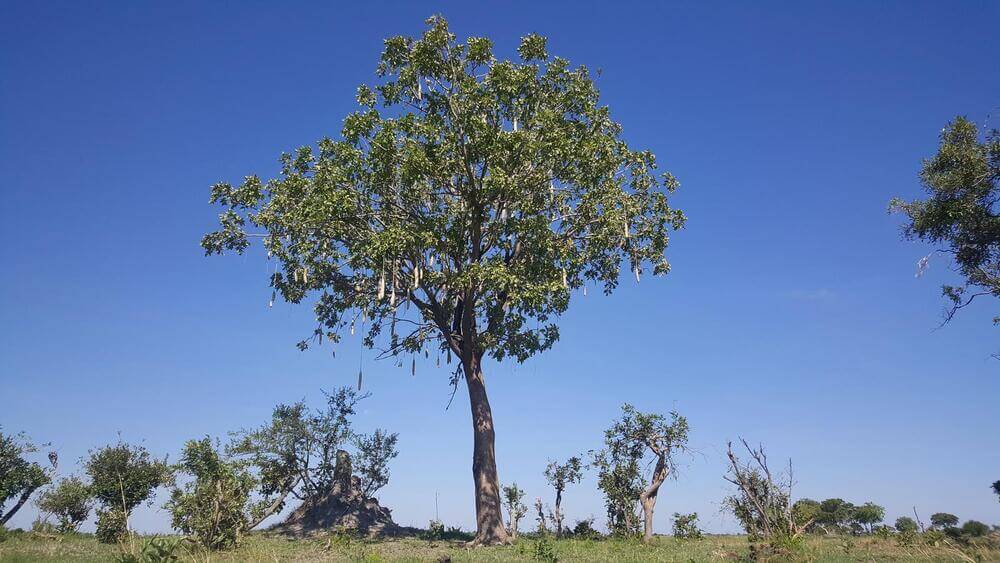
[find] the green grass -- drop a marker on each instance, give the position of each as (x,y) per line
(31,547)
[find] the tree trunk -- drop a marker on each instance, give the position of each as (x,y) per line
(558,513)
(489,520)
(648,497)
(20,502)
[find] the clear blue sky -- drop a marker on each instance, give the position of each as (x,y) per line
(792,315)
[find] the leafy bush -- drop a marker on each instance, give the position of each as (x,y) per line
(122,477)
(906,538)
(544,550)
(883,532)
(933,538)
(584,529)
(975,529)
(686,526)
(153,550)
(69,501)
(112,525)
(435,530)
(906,524)
(213,508)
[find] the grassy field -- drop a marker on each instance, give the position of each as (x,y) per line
(31,547)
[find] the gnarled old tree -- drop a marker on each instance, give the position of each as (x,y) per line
(459,208)
(627,444)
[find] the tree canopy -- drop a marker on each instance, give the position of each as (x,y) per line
(960,216)
(462,182)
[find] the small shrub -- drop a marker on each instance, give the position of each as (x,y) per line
(153,550)
(435,531)
(686,526)
(906,524)
(883,533)
(69,501)
(111,525)
(906,538)
(40,526)
(847,545)
(584,529)
(213,509)
(544,550)
(933,538)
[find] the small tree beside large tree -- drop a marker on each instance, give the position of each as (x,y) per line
(631,440)
(463,203)
(559,475)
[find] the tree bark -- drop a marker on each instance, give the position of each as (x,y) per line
(648,497)
(20,502)
(489,519)
(558,513)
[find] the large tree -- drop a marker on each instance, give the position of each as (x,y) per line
(461,205)
(960,215)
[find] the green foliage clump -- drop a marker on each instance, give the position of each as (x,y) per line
(934,537)
(544,550)
(686,526)
(513,500)
(835,515)
(906,538)
(974,529)
(867,516)
(435,531)
(122,476)
(70,501)
(906,524)
(883,532)
(214,508)
(112,525)
(960,215)
(19,478)
(584,530)
(943,520)
(153,550)
(371,462)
